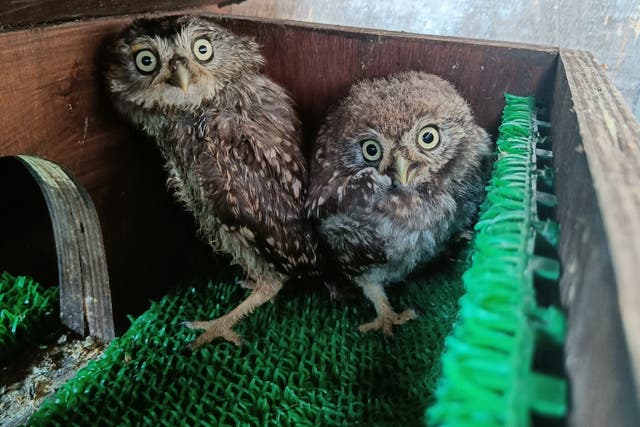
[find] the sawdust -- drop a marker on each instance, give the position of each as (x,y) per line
(36,375)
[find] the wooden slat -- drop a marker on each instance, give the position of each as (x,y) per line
(85,296)
(597,160)
(16,13)
(51,81)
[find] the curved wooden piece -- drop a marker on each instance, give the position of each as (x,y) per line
(85,297)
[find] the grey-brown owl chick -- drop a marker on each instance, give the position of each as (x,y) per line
(398,169)
(231,142)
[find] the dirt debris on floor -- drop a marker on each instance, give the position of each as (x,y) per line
(38,373)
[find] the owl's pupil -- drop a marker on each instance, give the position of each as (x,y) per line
(203,49)
(427,138)
(372,150)
(146,60)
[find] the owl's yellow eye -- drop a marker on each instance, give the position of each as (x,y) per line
(146,61)
(429,137)
(371,150)
(202,50)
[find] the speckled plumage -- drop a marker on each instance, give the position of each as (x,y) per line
(231,142)
(382,219)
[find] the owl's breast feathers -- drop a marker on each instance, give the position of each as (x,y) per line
(245,170)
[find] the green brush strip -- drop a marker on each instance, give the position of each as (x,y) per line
(487,375)
(305,365)
(27,311)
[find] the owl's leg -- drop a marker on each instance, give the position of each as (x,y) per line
(222,327)
(387,317)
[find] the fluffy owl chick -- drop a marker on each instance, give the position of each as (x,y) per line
(398,168)
(231,142)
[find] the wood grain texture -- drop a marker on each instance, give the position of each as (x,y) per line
(16,13)
(607,28)
(51,81)
(85,295)
(596,150)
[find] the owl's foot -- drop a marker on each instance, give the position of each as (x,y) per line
(213,329)
(386,320)
(265,288)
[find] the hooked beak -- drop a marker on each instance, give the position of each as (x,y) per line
(180,77)
(403,176)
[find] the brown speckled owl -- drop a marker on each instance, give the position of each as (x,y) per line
(398,169)
(231,142)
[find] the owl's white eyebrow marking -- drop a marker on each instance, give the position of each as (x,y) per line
(138,47)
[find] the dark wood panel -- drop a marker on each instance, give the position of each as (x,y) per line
(595,146)
(16,13)
(54,107)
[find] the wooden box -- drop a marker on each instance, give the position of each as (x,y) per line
(53,106)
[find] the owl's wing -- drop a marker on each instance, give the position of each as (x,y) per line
(353,242)
(332,193)
(254,178)
(339,203)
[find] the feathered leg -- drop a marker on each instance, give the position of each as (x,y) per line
(387,317)
(222,327)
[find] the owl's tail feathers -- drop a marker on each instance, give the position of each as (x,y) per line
(329,273)
(324,273)
(222,327)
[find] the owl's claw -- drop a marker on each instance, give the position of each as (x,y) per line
(386,320)
(213,329)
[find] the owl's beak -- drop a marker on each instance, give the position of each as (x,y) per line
(402,166)
(180,77)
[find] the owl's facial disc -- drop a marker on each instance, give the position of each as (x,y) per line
(427,139)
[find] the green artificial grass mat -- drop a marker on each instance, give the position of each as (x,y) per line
(27,312)
(305,363)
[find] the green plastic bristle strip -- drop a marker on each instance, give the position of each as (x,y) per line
(27,311)
(487,366)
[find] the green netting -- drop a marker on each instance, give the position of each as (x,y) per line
(27,311)
(488,365)
(305,365)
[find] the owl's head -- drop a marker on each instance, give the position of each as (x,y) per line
(413,128)
(176,62)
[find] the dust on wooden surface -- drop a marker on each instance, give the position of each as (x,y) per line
(35,376)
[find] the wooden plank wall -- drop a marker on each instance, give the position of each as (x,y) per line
(57,109)
(597,162)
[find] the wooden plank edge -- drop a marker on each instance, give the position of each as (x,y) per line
(610,137)
(35,14)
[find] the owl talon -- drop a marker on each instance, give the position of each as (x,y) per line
(386,320)
(213,329)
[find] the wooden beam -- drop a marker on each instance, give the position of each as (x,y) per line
(20,13)
(597,160)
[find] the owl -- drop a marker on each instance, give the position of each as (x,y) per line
(231,143)
(398,169)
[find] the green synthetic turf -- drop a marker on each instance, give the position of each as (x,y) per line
(27,311)
(306,364)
